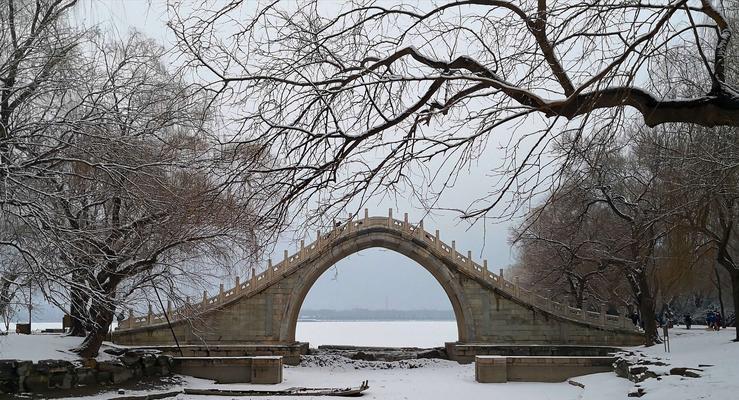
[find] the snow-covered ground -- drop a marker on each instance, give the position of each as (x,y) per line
(42,347)
(440,379)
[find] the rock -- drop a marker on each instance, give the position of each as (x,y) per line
(85,376)
(122,375)
(637,392)
(8,377)
(115,351)
(103,377)
(165,361)
(439,353)
(36,382)
(360,355)
(683,371)
(54,366)
(116,370)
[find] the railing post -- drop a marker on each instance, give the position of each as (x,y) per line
(438,240)
(603,320)
(169,307)
(205,298)
(485,268)
(623,317)
(302,248)
(366,216)
(500,273)
(221,293)
(318,238)
(271,268)
(420,231)
(454,250)
(238,284)
(389,217)
(406,226)
(149,316)
(516,287)
(130,317)
(253,277)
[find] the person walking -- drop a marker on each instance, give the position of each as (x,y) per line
(718,321)
(688,320)
(710,317)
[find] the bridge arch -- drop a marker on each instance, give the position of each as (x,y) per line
(391,240)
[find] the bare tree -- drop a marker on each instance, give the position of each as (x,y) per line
(358,99)
(112,166)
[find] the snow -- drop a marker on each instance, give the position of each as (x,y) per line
(377,333)
(41,346)
(441,379)
(693,348)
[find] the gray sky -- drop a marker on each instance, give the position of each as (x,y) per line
(374,278)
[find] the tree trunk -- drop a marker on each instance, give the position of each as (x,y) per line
(103,318)
(646,309)
(78,298)
(735,295)
(720,296)
(78,312)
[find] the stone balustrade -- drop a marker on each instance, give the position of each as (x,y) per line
(464,263)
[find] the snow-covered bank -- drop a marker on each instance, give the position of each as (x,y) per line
(42,347)
(713,352)
(441,379)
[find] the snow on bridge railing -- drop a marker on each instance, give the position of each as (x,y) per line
(272,273)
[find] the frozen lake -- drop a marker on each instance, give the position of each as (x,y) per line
(377,333)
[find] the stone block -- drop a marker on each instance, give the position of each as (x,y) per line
(266,370)
(491,369)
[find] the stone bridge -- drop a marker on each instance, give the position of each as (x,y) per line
(262,312)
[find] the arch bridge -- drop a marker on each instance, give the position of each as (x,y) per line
(261,313)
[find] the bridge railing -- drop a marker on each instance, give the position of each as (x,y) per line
(465,263)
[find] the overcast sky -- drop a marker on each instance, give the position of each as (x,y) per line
(374,278)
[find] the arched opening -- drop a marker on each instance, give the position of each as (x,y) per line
(377,297)
(380,237)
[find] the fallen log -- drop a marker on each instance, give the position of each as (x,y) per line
(295,391)
(150,396)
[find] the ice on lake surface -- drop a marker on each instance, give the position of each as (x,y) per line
(377,333)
